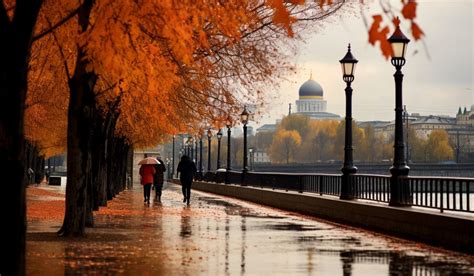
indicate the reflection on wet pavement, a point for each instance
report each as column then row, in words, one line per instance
column 224, row 236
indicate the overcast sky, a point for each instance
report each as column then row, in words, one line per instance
column 437, row 80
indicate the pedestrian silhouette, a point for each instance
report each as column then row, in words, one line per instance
column 31, row 175
column 146, row 173
column 158, row 178
column 186, row 169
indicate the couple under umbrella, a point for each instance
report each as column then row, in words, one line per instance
column 151, row 172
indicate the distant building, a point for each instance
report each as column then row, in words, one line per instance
column 465, row 117
column 311, row 102
column 424, row 125
column 267, row 128
column 260, row 156
column 460, row 129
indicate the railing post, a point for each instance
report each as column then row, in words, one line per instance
column 400, row 191
column 321, row 184
column 300, row 183
column 441, row 196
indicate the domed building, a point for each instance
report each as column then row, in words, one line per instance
column 311, row 102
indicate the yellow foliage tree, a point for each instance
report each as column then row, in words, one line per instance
column 284, row 146
column 437, row 146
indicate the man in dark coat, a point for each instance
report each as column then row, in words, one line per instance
column 186, row 169
column 158, row 178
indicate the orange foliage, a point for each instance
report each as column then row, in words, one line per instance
column 169, row 66
column 376, row 33
column 47, row 97
column 380, row 33
column 409, row 10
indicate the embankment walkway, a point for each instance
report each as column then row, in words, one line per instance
column 216, row 235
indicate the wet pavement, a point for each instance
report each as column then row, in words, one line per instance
column 217, row 235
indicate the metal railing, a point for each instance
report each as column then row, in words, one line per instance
column 323, row 184
column 370, row 187
column 443, row 193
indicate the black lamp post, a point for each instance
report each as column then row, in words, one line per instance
column 348, row 64
column 188, row 151
column 244, row 118
column 209, row 136
column 228, row 165
column 168, row 169
column 186, row 148
column 200, row 156
column 172, row 170
column 195, row 146
column 399, row 188
column 219, row 137
column 191, row 147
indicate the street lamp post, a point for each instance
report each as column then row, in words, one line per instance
column 191, row 147
column 200, row 156
column 168, row 165
column 251, row 158
column 195, row 146
column 228, row 165
column 348, row 64
column 209, row 136
column 186, row 146
column 219, row 137
column 244, row 118
column 172, row 172
column 399, row 188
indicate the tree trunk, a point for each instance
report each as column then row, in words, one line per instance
column 112, row 168
column 12, row 170
column 98, row 152
column 80, row 112
column 15, row 48
column 118, row 163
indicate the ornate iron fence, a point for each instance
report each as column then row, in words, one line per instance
column 443, row 193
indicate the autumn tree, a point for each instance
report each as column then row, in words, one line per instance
column 299, row 123
column 437, row 146
column 284, row 146
column 17, row 24
column 318, row 144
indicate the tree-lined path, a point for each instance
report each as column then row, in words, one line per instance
column 216, row 236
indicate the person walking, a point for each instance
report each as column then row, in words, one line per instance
column 158, row 178
column 146, row 173
column 186, row 169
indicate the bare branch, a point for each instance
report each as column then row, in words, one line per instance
column 66, row 68
column 57, row 25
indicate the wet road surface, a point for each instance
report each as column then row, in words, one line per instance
column 218, row 235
